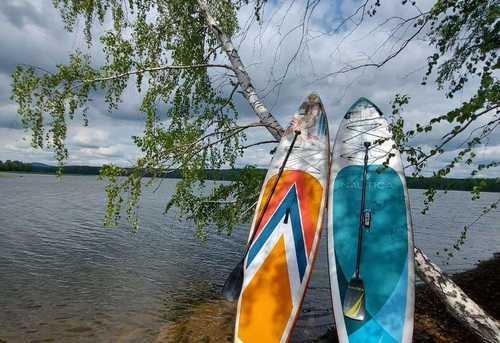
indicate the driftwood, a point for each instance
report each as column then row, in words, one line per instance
column 460, row 306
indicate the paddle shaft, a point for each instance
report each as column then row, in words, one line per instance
column 268, row 200
column 362, row 213
column 233, row 284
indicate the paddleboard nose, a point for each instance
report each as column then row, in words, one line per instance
column 360, row 105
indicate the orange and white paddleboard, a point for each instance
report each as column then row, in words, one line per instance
column 282, row 252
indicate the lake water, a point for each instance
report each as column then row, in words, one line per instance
column 63, row 277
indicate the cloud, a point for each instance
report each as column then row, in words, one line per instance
column 9, row 117
column 31, row 36
column 33, row 33
column 117, row 152
column 23, row 13
column 316, row 68
column 15, row 145
column 89, row 138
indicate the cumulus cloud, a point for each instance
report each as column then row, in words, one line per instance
column 319, row 59
column 284, row 65
column 23, row 13
column 90, row 138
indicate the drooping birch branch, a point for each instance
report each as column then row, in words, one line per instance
column 159, row 68
column 241, row 74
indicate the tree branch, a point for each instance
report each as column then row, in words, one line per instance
column 160, row 68
column 193, row 148
column 376, row 64
column 244, row 80
column 451, row 135
column 259, row 143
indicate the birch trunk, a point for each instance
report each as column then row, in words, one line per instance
column 244, row 80
column 460, row 306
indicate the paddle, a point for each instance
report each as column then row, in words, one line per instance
column 232, row 287
column 354, row 299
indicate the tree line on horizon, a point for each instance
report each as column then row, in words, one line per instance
column 486, row 184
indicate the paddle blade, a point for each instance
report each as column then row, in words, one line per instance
column 354, row 300
column 232, row 287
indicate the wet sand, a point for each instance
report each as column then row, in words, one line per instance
column 208, row 322
column 213, row 321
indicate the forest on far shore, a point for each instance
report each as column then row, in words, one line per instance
column 486, row 185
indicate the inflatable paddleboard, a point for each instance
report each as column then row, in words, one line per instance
column 386, row 262
column 282, row 251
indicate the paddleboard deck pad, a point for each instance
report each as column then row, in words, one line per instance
column 281, row 255
column 387, row 262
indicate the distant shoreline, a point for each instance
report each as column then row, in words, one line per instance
column 452, row 184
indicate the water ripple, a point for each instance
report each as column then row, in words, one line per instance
column 64, row 277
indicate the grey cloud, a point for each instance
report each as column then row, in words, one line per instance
column 31, row 36
column 5, row 89
column 9, row 117
column 401, row 75
column 38, row 37
column 21, row 13
column 8, row 110
column 128, row 109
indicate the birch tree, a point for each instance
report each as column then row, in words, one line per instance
column 172, row 52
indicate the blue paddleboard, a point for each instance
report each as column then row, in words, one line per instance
column 386, row 265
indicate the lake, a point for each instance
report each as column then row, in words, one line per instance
column 64, row 277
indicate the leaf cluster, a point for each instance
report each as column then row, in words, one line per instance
column 466, row 37
column 166, row 49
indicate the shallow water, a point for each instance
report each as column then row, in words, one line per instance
column 64, row 277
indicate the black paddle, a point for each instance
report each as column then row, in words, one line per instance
column 233, row 284
column 354, row 299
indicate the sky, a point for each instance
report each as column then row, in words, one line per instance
column 32, row 33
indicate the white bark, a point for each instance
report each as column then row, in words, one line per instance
column 244, row 80
column 458, row 304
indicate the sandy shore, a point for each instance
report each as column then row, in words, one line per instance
column 213, row 321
